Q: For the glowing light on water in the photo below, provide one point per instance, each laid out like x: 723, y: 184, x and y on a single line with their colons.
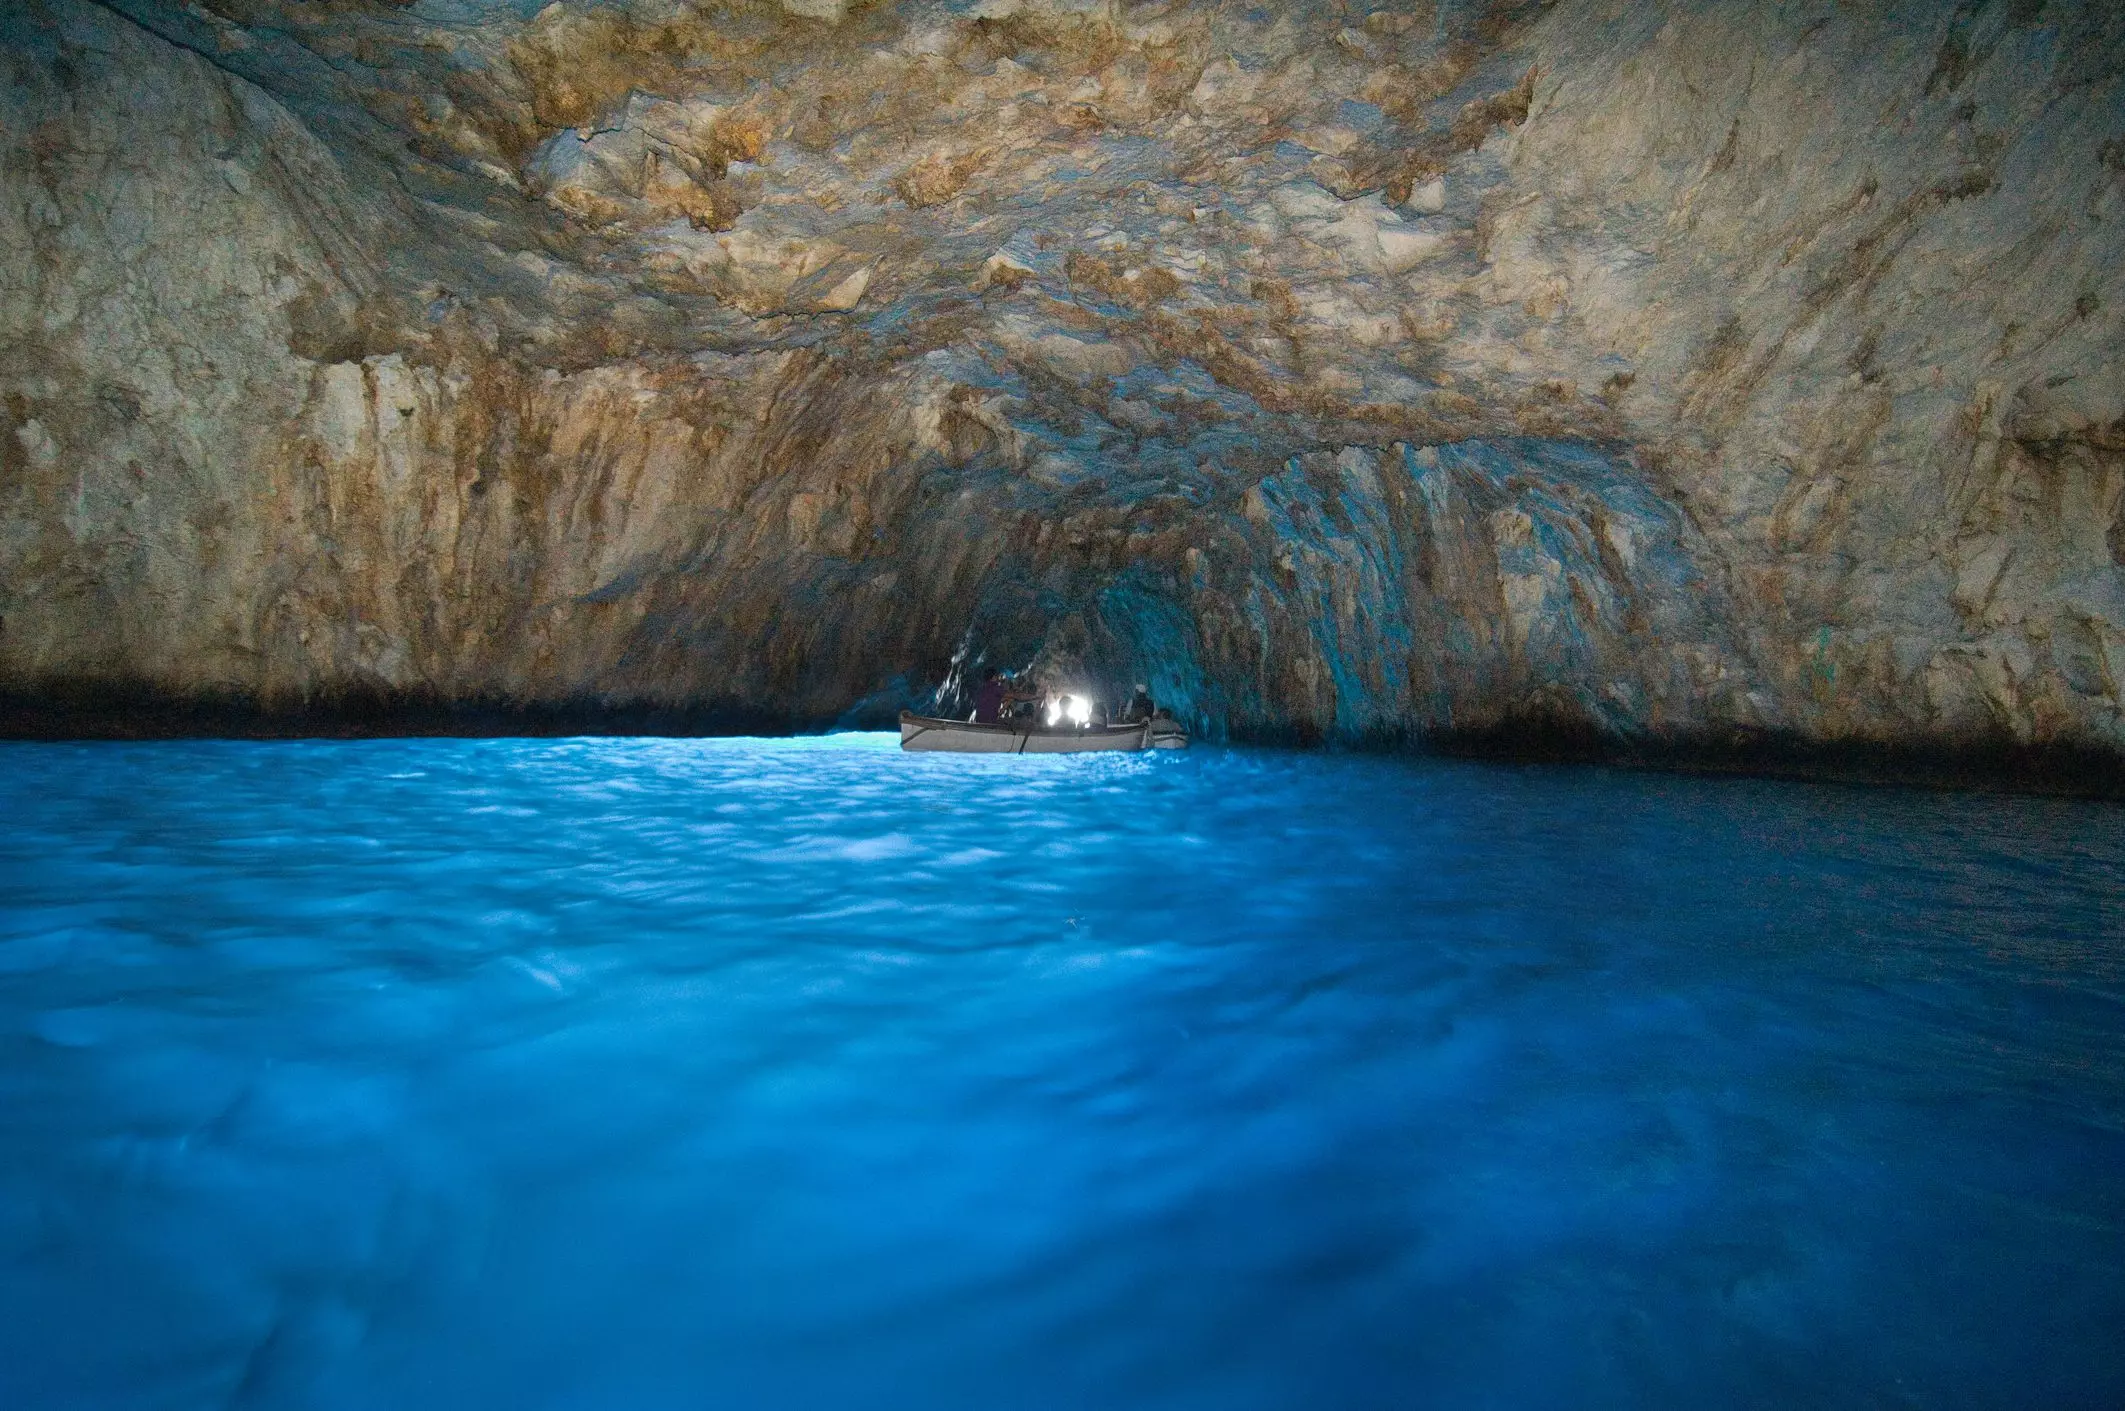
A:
x: 639, y: 1073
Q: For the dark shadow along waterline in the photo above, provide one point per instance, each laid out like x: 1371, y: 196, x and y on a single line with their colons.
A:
x: 80, y: 713
x: 797, y: 1073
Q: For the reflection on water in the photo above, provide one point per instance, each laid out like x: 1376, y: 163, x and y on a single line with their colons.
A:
x: 627, y: 1073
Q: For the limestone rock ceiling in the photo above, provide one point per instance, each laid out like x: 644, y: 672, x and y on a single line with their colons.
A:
x: 1351, y: 370
x: 1259, y: 192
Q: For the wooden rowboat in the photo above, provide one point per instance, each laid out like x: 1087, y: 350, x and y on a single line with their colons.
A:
x: 924, y: 732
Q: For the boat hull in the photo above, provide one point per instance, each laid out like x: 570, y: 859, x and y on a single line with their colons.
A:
x: 922, y: 732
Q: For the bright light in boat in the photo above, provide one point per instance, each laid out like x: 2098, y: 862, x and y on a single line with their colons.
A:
x: 1054, y: 710
x: 1080, y: 709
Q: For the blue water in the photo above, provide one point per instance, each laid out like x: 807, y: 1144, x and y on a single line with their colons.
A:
x: 762, y: 1074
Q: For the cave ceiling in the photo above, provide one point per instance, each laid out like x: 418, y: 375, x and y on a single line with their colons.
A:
x: 1183, y: 230
x: 1367, y: 369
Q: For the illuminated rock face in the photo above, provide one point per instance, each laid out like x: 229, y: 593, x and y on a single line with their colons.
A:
x: 1665, y: 371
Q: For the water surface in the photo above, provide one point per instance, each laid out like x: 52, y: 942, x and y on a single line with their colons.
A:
x: 803, y: 1073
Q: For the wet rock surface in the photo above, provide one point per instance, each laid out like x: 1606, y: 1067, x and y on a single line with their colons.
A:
x: 1655, y: 374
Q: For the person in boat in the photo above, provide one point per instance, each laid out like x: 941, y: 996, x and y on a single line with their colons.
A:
x: 1139, y: 708
x: 989, y: 698
x: 1025, y: 702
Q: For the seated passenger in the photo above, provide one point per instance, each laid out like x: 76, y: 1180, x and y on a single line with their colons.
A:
x: 988, y: 699
x: 1026, y: 704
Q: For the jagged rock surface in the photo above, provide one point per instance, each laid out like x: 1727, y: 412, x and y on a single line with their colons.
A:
x: 1666, y: 370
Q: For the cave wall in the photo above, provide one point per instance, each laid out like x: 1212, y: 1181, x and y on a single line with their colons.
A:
x: 1660, y: 370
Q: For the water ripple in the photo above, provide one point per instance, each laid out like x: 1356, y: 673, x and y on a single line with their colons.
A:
x: 593, y: 1073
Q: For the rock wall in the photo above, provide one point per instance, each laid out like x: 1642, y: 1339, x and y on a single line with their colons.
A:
x: 1669, y: 372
